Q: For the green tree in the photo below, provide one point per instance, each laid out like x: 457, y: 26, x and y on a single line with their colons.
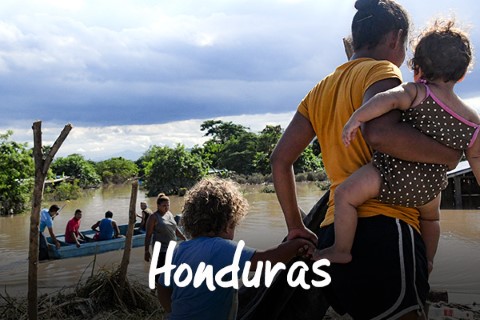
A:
x: 209, y: 152
x: 234, y: 148
x: 220, y: 151
x: 169, y: 170
x: 221, y: 131
x: 76, y: 166
x: 238, y: 153
x: 16, y: 175
x: 308, y: 161
x: 116, y: 170
x: 63, y: 191
x: 316, y: 147
x: 266, y: 142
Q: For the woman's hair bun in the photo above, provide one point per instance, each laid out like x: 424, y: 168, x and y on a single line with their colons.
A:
x: 365, y: 4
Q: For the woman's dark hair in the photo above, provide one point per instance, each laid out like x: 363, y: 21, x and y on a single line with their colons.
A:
x: 375, y: 19
x: 442, y: 51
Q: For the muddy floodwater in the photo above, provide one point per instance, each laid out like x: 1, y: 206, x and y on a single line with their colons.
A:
x: 457, y: 264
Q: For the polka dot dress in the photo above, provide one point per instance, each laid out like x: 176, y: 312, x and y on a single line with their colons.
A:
x: 413, y: 184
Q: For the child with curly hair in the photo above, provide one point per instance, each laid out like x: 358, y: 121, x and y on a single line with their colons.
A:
x: 441, y: 59
x: 212, y: 210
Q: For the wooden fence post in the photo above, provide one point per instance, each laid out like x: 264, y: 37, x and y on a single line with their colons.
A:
x: 122, y: 274
x: 42, y: 164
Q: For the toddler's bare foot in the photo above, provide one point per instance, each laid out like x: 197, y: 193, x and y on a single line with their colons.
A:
x: 334, y: 256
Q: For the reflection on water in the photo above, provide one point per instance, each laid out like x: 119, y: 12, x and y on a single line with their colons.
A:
x: 456, y: 264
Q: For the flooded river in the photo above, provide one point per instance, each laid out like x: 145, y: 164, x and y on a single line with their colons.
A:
x: 457, y: 265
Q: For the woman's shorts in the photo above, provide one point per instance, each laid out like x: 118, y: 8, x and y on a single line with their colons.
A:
x: 387, y: 276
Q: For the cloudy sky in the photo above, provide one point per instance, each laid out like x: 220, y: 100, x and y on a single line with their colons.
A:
x: 129, y: 74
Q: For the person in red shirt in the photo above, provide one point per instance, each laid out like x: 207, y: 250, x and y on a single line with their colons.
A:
x: 72, y: 233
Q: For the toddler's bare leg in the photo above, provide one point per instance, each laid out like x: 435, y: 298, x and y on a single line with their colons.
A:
x: 430, y: 228
x: 362, y: 185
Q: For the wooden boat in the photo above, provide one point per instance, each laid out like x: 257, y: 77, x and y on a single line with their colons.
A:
x: 91, y: 247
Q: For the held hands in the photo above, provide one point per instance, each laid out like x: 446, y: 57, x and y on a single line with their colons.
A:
x: 350, y: 131
x: 306, y: 239
x: 305, y: 247
x: 302, y: 232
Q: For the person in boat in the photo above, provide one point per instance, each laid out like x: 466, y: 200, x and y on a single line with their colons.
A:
x: 146, y: 212
x: 162, y: 227
x: 388, y: 253
x: 212, y: 210
x: 72, y: 233
x: 46, y: 221
x: 106, y: 228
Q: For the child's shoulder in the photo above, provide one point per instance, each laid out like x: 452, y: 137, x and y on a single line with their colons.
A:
x: 208, y: 241
x: 209, y: 246
x: 471, y: 113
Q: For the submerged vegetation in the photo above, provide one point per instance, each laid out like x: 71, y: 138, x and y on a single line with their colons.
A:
x: 97, y: 298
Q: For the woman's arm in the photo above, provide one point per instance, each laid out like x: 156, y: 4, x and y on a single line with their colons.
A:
x: 294, y: 140
x: 388, y: 135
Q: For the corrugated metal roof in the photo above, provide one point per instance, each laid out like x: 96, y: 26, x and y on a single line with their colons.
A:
x: 462, y: 167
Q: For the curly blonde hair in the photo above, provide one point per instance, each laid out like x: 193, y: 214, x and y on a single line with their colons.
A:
x: 211, y: 206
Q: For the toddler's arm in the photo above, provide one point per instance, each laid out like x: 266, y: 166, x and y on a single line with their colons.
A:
x: 283, y: 252
x: 401, y: 97
x: 388, y: 134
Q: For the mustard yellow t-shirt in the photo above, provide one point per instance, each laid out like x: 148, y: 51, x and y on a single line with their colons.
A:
x: 328, y: 106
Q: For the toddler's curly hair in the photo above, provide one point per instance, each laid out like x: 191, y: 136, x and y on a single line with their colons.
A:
x: 442, y: 51
x: 211, y: 206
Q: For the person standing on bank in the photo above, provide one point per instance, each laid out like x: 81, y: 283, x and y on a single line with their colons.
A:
x: 387, y: 277
x: 46, y: 221
x: 162, y: 226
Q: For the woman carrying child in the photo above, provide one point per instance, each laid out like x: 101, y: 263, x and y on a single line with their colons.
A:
x: 442, y: 57
x: 388, y: 275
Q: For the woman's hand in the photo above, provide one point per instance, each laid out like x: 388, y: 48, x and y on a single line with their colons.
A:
x: 302, y: 232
